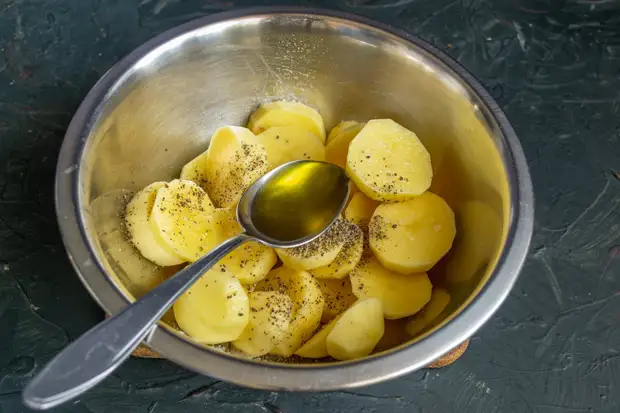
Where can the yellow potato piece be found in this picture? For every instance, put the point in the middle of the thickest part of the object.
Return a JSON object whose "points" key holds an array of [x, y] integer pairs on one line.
{"points": [[316, 347], [338, 148], [347, 258], [215, 309], [360, 209], [196, 170], [141, 234], [357, 330], [132, 273], [317, 253], [410, 237], [388, 162], [308, 303], [290, 143], [270, 313], [181, 219], [401, 295], [440, 299], [338, 295], [250, 262], [235, 159], [336, 130], [285, 113]]}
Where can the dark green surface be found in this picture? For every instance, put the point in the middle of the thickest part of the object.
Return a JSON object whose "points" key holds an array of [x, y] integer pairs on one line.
{"points": [[554, 66]]}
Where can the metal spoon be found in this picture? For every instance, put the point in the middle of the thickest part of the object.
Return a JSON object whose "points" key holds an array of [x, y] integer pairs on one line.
{"points": [[290, 206]]}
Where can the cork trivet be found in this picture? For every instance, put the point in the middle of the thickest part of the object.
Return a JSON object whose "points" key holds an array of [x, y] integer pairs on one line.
{"points": [[143, 351], [450, 357], [447, 359]]}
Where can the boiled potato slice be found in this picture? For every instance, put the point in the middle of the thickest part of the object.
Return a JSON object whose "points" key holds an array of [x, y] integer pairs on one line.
{"points": [[250, 262], [316, 347], [410, 237], [338, 148], [317, 253], [440, 299], [307, 306], [357, 330], [270, 313], [196, 170], [338, 295], [131, 272], [347, 258], [181, 219], [284, 113], [360, 209], [336, 130], [215, 309], [137, 215], [235, 159], [290, 143], [388, 162], [401, 295]]}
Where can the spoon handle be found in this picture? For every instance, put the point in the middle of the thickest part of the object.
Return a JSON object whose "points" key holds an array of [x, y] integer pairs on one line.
{"points": [[99, 351]]}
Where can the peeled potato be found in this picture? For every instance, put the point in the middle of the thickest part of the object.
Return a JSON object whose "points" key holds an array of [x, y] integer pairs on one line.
{"points": [[410, 237], [316, 347], [137, 215], [347, 258], [336, 130], [440, 299], [317, 253], [290, 143], [338, 148], [131, 272], [270, 313], [387, 162], [250, 262], [215, 309], [360, 209], [357, 330], [338, 295], [284, 113], [196, 170], [181, 219], [401, 295], [307, 306], [235, 159]]}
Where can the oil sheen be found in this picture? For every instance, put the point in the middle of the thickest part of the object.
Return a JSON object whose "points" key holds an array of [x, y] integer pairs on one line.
{"points": [[299, 201]]}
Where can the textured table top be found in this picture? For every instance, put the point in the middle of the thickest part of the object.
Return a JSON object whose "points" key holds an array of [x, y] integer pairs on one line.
{"points": [[553, 65]]}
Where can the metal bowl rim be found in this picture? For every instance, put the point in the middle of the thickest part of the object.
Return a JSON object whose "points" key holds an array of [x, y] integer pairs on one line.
{"points": [[281, 376]]}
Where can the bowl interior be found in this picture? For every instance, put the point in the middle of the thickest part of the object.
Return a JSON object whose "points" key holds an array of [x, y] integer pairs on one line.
{"points": [[162, 111]]}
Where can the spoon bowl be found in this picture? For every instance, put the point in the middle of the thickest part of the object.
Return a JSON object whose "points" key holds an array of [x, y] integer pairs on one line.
{"points": [[290, 206], [294, 203]]}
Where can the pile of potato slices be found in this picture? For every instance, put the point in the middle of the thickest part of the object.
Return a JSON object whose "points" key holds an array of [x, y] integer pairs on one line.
{"points": [[338, 296]]}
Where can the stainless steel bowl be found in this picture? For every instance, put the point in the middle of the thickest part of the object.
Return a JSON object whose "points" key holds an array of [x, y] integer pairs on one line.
{"points": [[157, 108]]}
